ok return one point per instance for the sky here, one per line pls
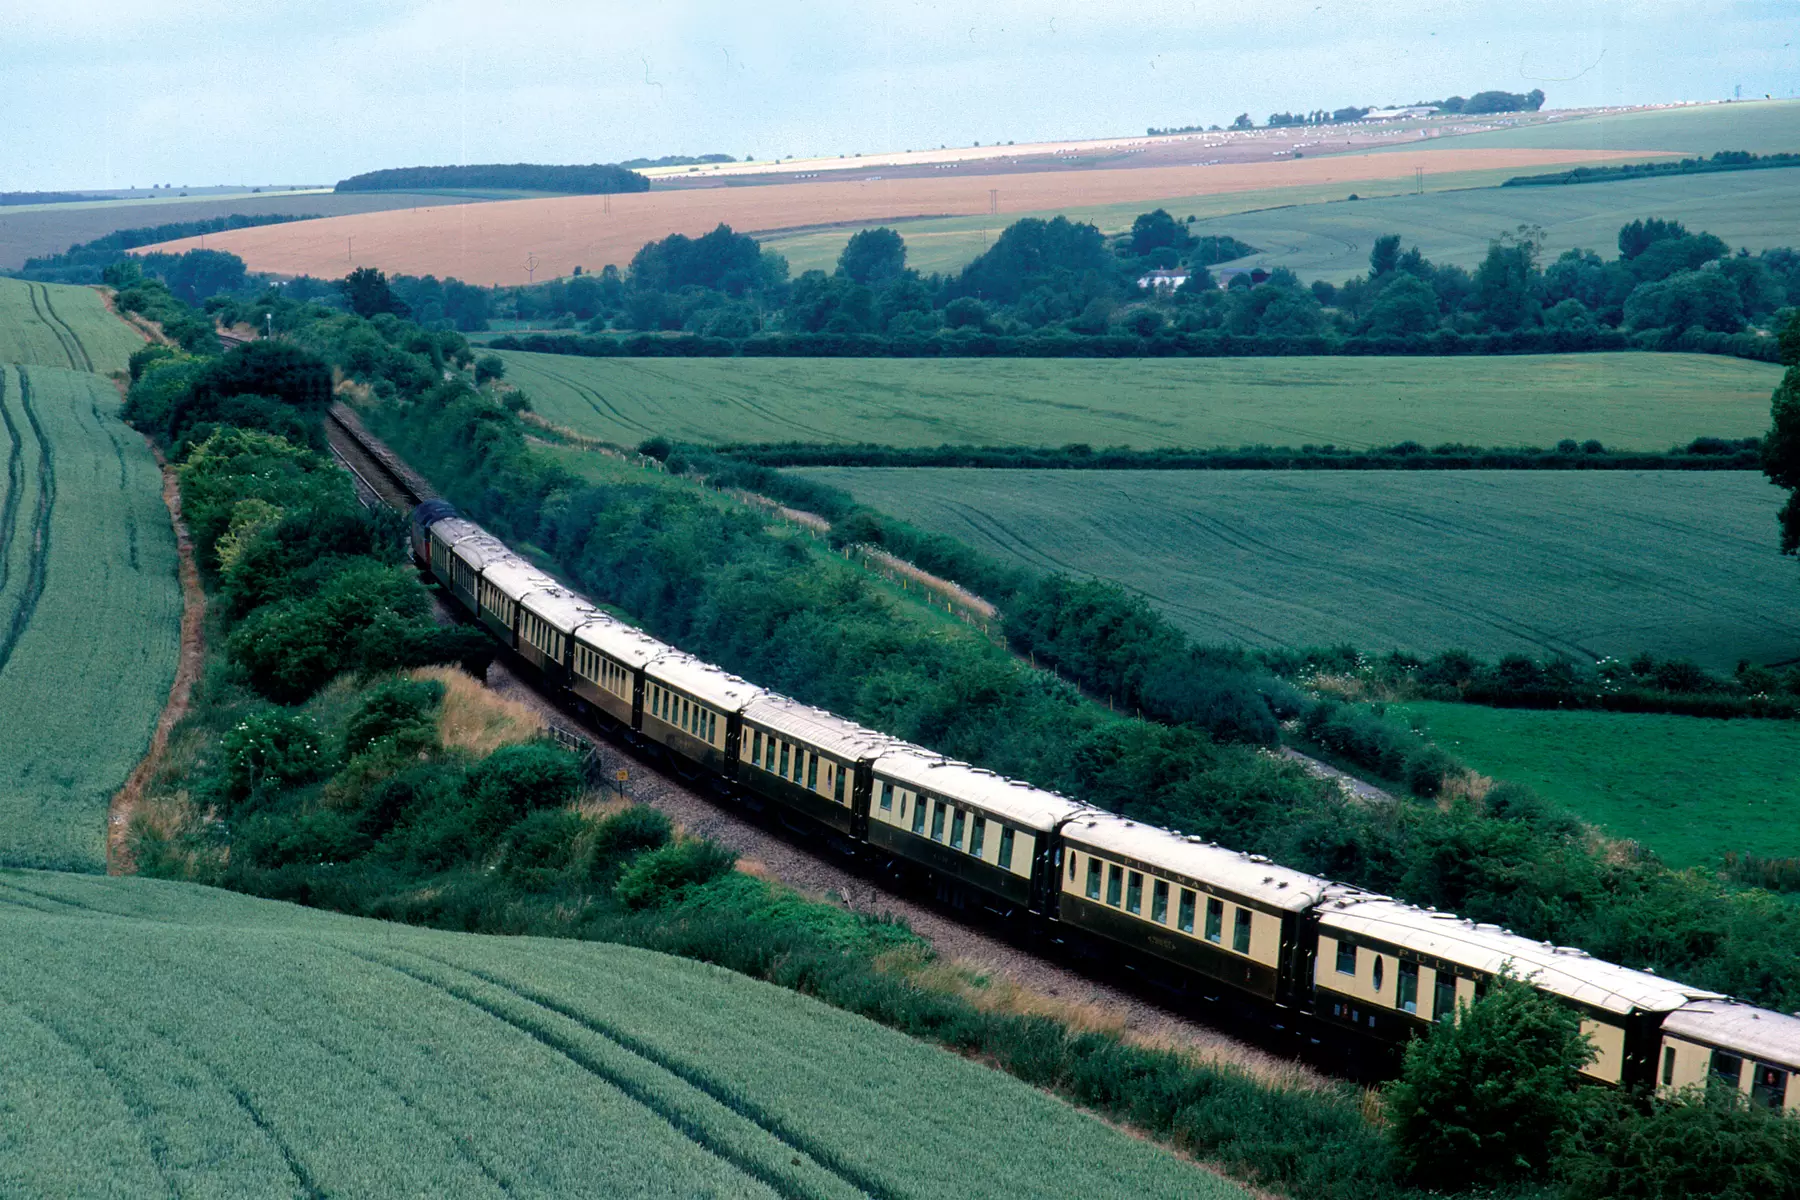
(123, 93)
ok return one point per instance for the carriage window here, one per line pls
(784, 759)
(1768, 1087)
(712, 727)
(1727, 1068)
(1346, 958)
(756, 747)
(937, 821)
(800, 761)
(1240, 931)
(1443, 998)
(1006, 845)
(1093, 879)
(918, 813)
(812, 772)
(1072, 857)
(1115, 883)
(887, 797)
(1134, 893)
(1159, 902)
(1668, 1064)
(1409, 987)
(1215, 918)
(1185, 915)
(977, 836)
(957, 824)
(837, 792)
(1380, 969)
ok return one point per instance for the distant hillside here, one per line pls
(678, 160)
(591, 180)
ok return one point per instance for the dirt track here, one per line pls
(493, 243)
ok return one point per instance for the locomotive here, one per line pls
(1195, 918)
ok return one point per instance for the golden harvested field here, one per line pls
(494, 243)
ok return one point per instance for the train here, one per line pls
(1193, 918)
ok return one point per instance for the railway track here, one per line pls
(1221, 1031)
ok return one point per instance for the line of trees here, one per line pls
(592, 179)
(1724, 160)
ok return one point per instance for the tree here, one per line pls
(1686, 300)
(1243, 121)
(1158, 230)
(1384, 256)
(1407, 305)
(1506, 282)
(367, 292)
(1489, 1097)
(200, 274)
(1781, 445)
(1058, 253)
(1640, 235)
(489, 367)
(873, 257)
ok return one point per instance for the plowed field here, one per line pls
(494, 243)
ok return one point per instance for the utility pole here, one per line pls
(349, 247)
(1419, 180)
(531, 265)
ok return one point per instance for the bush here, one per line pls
(267, 751)
(1489, 1098)
(539, 850)
(626, 833)
(403, 709)
(661, 877)
(1702, 1144)
(488, 368)
(514, 780)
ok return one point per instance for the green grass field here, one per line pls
(1331, 241)
(1636, 401)
(1577, 563)
(49, 325)
(166, 1039)
(1689, 788)
(947, 243)
(1760, 126)
(90, 610)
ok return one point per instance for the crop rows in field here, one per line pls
(1583, 564)
(1332, 241)
(89, 612)
(1690, 788)
(167, 1039)
(1629, 401)
(50, 325)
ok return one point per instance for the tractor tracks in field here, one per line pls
(38, 562)
(66, 337)
(649, 1078)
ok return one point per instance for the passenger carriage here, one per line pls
(992, 834)
(1388, 970)
(608, 661)
(1737, 1045)
(1229, 918)
(459, 552)
(808, 760)
(503, 584)
(547, 621)
(691, 706)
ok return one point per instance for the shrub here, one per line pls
(1702, 1144)
(539, 850)
(267, 751)
(403, 709)
(513, 780)
(660, 877)
(1489, 1098)
(489, 367)
(626, 833)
